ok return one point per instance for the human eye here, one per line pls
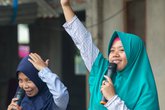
(121, 49)
(29, 81)
(112, 50)
(20, 80)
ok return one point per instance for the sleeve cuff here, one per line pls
(111, 101)
(68, 24)
(43, 71)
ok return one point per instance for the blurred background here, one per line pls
(36, 26)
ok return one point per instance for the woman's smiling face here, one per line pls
(25, 83)
(117, 55)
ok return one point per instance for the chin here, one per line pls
(30, 95)
(119, 69)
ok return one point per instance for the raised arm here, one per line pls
(67, 10)
(53, 82)
(80, 35)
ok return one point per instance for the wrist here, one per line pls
(110, 97)
(65, 4)
(41, 68)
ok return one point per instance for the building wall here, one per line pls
(156, 44)
(45, 39)
(102, 19)
(113, 19)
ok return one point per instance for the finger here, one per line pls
(13, 107)
(14, 104)
(14, 100)
(108, 79)
(33, 56)
(37, 56)
(47, 62)
(19, 107)
(103, 83)
(10, 107)
(31, 61)
(101, 89)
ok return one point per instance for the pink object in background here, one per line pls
(23, 50)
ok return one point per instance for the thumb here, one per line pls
(108, 79)
(47, 62)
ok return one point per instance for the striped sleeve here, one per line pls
(83, 40)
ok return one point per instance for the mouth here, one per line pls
(116, 61)
(28, 92)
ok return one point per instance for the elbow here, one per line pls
(62, 100)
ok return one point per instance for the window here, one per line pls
(80, 68)
(23, 40)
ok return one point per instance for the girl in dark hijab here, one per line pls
(43, 89)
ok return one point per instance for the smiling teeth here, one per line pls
(115, 61)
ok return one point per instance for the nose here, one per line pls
(116, 54)
(25, 85)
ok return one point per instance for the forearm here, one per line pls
(56, 87)
(68, 11)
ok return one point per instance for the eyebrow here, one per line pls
(22, 79)
(121, 47)
(118, 47)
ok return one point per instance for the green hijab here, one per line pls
(135, 84)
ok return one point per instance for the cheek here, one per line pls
(125, 59)
(109, 58)
(20, 84)
(35, 91)
(34, 87)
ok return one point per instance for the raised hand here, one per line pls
(67, 10)
(37, 61)
(107, 88)
(65, 2)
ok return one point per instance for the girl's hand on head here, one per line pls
(107, 88)
(37, 61)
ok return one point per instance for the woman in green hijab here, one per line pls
(132, 86)
(133, 83)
